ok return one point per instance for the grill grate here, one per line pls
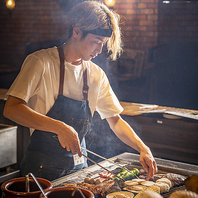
(131, 160)
(176, 188)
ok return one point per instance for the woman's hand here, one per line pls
(148, 162)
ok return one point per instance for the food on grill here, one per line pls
(131, 183)
(136, 182)
(183, 194)
(175, 179)
(191, 183)
(120, 194)
(158, 176)
(106, 175)
(149, 194)
(135, 189)
(147, 183)
(142, 177)
(164, 180)
(139, 180)
(152, 188)
(127, 175)
(143, 172)
(114, 188)
(97, 189)
(164, 187)
(117, 170)
(94, 180)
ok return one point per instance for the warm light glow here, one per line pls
(10, 4)
(166, 1)
(110, 3)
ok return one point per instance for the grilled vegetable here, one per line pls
(126, 175)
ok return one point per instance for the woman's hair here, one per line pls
(90, 15)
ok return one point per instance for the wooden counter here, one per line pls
(3, 93)
(133, 109)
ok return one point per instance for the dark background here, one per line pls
(167, 34)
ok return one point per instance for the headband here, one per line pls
(101, 32)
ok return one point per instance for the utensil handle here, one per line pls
(27, 183)
(38, 184)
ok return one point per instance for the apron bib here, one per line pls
(45, 157)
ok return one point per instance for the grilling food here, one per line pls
(114, 188)
(106, 175)
(191, 183)
(99, 188)
(131, 183)
(164, 187)
(183, 194)
(147, 183)
(120, 194)
(152, 188)
(127, 175)
(123, 179)
(164, 180)
(175, 179)
(149, 194)
(94, 180)
(135, 189)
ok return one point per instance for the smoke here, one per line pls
(101, 139)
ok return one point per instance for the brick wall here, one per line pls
(178, 22)
(144, 24)
(139, 20)
(30, 21)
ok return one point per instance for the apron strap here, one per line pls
(62, 72)
(62, 69)
(85, 86)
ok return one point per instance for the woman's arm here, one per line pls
(126, 134)
(17, 110)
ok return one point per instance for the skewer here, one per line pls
(109, 160)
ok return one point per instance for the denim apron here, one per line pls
(45, 157)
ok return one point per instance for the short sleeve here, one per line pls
(27, 82)
(108, 104)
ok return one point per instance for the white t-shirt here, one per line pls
(38, 84)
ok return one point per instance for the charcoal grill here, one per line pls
(164, 166)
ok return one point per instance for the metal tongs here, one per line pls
(77, 189)
(27, 184)
(108, 161)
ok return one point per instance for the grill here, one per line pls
(164, 166)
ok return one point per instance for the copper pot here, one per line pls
(62, 192)
(16, 188)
